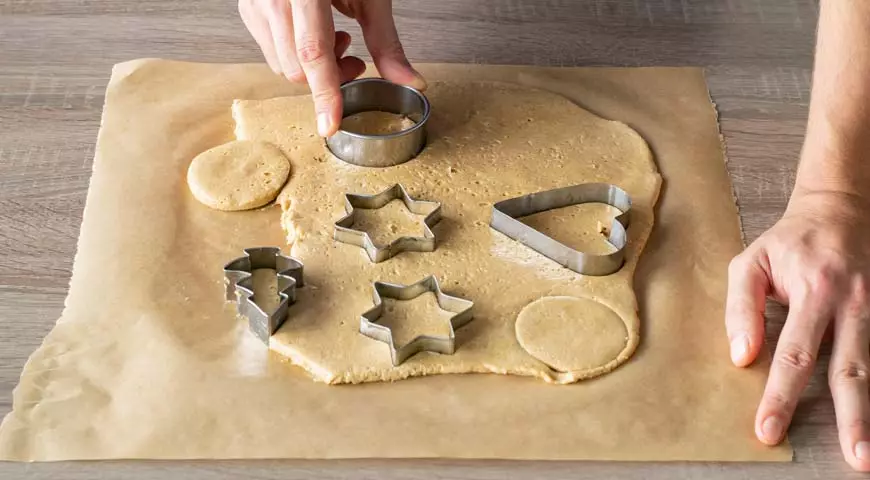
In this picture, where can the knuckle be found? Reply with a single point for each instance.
(247, 8)
(737, 265)
(780, 401)
(312, 50)
(740, 315)
(391, 48)
(849, 373)
(858, 424)
(859, 289)
(324, 98)
(821, 279)
(796, 358)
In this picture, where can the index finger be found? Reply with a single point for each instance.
(315, 44)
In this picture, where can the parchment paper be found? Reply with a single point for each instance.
(144, 363)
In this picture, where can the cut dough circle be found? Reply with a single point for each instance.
(376, 123)
(571, 334)
(238, 175)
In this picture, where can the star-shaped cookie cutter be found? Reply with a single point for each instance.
(239, 280)
(506, 212)
(345, 233)
(461, 309)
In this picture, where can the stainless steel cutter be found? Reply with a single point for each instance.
(461, 309)
(506, 213)
(240, 288)
(377, 94)
(345, 233)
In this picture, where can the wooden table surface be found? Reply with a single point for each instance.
(55, 60)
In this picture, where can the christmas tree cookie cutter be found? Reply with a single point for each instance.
(239, 280)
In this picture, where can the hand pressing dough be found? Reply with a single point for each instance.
(487, 142)
(238, 175)
(376, 123)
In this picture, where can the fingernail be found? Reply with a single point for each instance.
(739, 349)
(772, 429)
(862, 450)
(323, 124)
(420, 82)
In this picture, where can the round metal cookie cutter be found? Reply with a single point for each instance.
(376, 94)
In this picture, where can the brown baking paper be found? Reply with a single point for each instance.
(148, 362)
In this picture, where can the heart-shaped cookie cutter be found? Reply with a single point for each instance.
(506, 212)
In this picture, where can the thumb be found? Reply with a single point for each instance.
(748, 285)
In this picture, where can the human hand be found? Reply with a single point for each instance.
(299, 40)
(816, 260)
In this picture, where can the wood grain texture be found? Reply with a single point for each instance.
(55, 60)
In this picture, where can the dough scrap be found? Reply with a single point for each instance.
(487, 142)
(238, 175)
(376, 123)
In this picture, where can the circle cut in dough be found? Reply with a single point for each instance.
(375, 122)
(571, 333)
(238, 175)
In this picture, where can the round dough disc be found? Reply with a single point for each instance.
(571, 333)
(238, 175)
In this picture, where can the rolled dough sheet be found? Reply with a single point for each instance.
(164, 369)
(487, 142)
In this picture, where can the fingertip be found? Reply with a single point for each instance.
(860, 456)
(342, 42)
(273, 65)
(421, 83)
(326, 125)
(770, 431)
(296, 76)
(401, 72)
(740, 350)
(351, 67)
(341, 37)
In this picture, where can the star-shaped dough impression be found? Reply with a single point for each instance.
(460, 308)
(345, 233)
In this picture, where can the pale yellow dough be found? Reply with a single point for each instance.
(487, 142)
(238, 175)
(597, 333)
(388, 223)
(376, 123)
